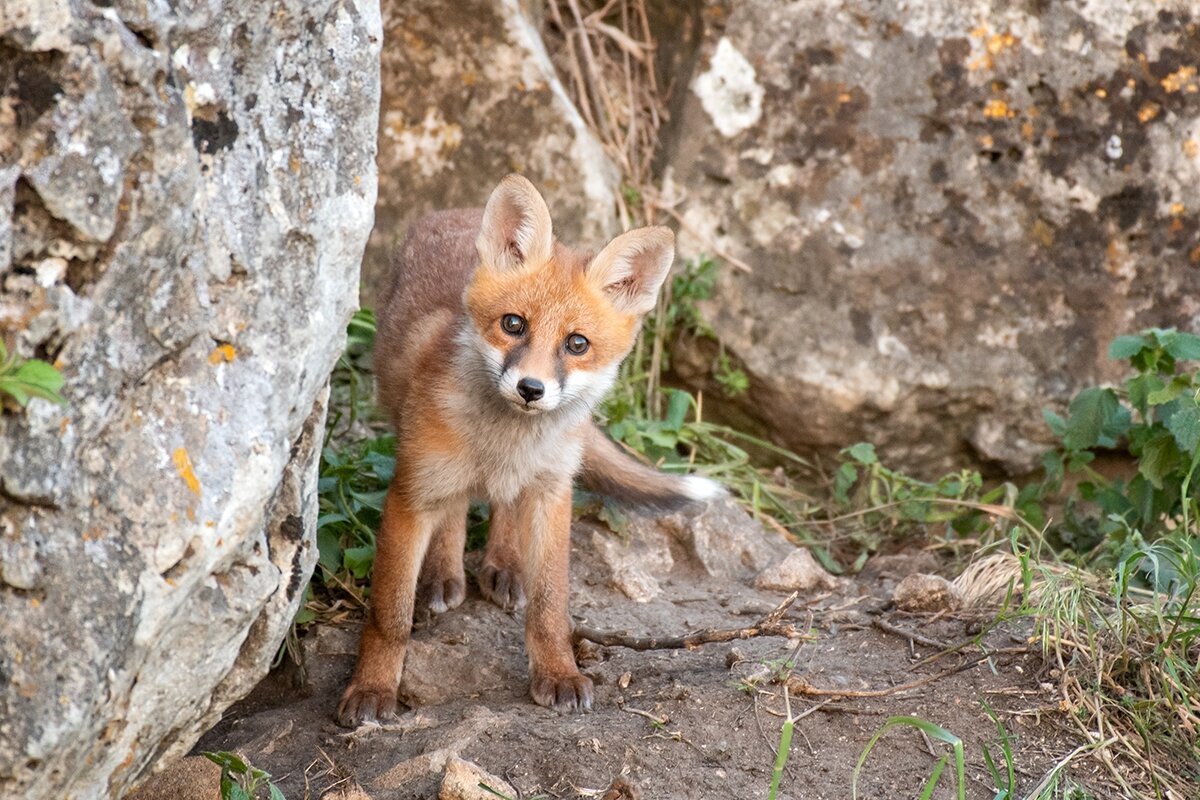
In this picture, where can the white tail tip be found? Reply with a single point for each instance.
(702, 489)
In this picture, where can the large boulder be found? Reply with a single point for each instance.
(950, 208)
(185, 194)
(470, 95)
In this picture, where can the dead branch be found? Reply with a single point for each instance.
(770, 625)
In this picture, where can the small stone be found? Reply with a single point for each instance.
(463, 780)
(624, 680)
(926, 593)
(734, 657)
(799, 572)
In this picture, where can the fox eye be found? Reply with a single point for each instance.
(513, 324)
(577, 344)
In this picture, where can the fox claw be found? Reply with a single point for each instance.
(502, 587)
(362, 704)
(562, 693)
(443, 595)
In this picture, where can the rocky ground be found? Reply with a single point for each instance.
(670, 723)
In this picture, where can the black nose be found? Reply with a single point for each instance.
(530, 389)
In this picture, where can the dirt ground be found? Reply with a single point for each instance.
(675, 723)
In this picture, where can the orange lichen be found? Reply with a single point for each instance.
(1182, 79)
(1177, 209)
(1191, 148)
(224, 352)
(1148, 111)
(998, 109)
(1101, 93)
(993, 45)
(183, 465)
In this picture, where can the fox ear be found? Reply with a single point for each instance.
(632, 267)
(516, 226)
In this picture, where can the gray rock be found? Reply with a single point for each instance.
(464, 780)
(949, 209)
(920, 593)
(469, 96)
(799, 572)
(633, 563)
(719, 538)
(185, 195)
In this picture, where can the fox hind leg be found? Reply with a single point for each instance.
(443, 585)
(500, 576)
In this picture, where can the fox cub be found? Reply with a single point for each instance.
(495, 344)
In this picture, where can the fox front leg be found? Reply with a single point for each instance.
(544, 521)
(400, 548)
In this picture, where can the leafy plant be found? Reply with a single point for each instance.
(23, 379)
(240, 781)
(1154, 416)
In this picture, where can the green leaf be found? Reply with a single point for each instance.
(1160, 458)
(845, 478)
(863, 453)
(1140, 387)
(228, 761)
(1093, 414)
(275, 793)
(1124, 347)
(329, 546)
(1184, 425)
(677, 408)
(1055, 422)
(1184, 347)
(1166, 394)
(358, 560)
(33, 378)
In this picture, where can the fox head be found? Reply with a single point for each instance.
(552, 325)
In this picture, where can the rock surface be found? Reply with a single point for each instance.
(920, 593)
(950, 209)
(185, 194)
(469, 95)
(799, 572)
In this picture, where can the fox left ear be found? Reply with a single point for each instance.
(632, 267)
(516, 227)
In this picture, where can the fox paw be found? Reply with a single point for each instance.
(571, 692)
(501, 586)
(366, 704)
(442, 594)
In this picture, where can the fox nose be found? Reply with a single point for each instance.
(530, 389)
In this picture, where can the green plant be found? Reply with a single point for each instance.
(933, 732)
(241, 781)
(23, 379)
(1154, 416)
(784, 750)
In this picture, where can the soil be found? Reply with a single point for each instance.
(672, 724)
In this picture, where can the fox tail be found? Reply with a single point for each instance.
(610, 471)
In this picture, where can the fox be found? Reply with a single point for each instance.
(495, 343)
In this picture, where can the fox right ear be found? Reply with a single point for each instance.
(516, 226)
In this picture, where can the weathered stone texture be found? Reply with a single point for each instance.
(950, 209)
(469, 95)
(185, 195)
